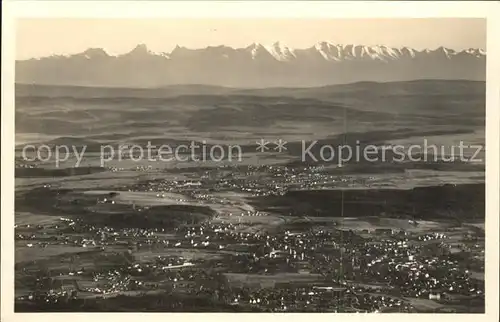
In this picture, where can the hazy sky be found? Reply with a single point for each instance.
(43, 37)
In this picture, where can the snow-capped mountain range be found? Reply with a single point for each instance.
(256, 65)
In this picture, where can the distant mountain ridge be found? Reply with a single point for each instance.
(254, 66)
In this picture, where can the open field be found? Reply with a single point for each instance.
(218, 236)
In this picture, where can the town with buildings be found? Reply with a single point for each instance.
(236, 258)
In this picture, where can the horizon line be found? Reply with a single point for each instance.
(250, 88)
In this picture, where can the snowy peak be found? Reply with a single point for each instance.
(280, 51)
(257, 65)
(328, 50)
(142, 51)
(445, 51)
(406, 51)
(257, 50)
(475, 52)
(324, 50)
(339, 52)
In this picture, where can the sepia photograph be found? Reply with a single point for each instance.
(243, 165)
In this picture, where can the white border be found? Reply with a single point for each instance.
(249, 9)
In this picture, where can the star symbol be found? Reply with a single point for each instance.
(262, 145)
(280, 145)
